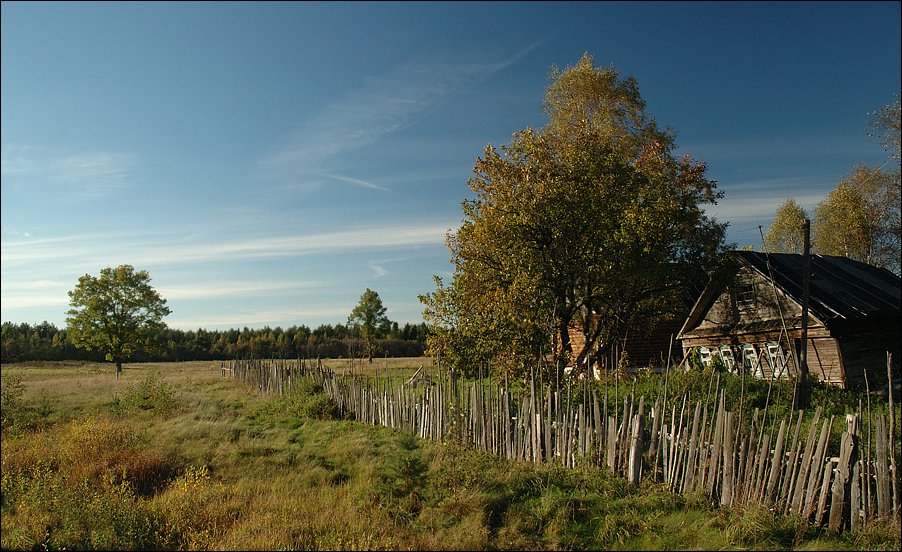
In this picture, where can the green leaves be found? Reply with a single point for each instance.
(369, 317)
(589, 222)
(786, 234)
(886, 124)
(860, 218)
(116, 312)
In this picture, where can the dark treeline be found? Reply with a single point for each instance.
(25, 342)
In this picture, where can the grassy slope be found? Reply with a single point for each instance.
(172, 456)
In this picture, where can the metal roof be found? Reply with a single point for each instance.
(840, 289)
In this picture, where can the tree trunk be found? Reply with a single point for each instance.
(566, 347)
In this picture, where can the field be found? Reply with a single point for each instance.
(173, 456)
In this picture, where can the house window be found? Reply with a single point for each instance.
(704, 354)
(746, 295)
(726, 354)
(750, 360)
(775, 358)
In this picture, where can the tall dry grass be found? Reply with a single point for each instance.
(172, 456)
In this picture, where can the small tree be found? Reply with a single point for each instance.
(859, 219)
(369, 317)
(886, 124)
(786, 233)
(116, 313)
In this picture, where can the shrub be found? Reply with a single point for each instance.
(12, 407)
(306, 399)
(46, 509)
(78, 486)
(149, 394)
(194, 512)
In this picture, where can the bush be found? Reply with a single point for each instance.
(306, 399)
(79, 486)
(12, 406)
(149, 394)
(46, 509)
(193, 513)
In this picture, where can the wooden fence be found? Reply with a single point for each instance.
(691, 447)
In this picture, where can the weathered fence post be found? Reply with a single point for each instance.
(839, 504)
(635, 453)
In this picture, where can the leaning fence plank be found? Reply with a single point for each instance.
(740, 479)
(761, 476)
(825, 491)
(598, 427)
(653, 445)
(612, 444)
(549, 420)
(635, 453)
(714, 459)
(691, 462)
(665, 459)
(882, 475)
(775, 465)
(671, 446)
(815, 476)
(677, 450)
(840, 498)
(623, 436)
(855, 499)
(786, 490)
(726, 496)
(704, 449)
(805, 466)
(749, 460)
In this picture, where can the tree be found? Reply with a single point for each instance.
(885, 123)
(785, 234)
(860, 219)
(369, 318)
(116, 313)
(590, 222)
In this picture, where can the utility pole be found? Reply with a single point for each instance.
(800, 400)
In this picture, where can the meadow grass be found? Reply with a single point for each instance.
(172, 456)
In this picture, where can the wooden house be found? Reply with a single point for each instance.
(652, 346)
(643, 350)
(753, 320)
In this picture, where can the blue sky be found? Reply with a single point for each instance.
(268, 162)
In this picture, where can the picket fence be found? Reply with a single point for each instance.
(689, 446)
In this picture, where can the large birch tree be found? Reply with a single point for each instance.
(590, 222)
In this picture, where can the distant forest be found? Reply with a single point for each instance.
(26, 342)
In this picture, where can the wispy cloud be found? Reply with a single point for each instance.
(35, 293)
(14, 233)
(384, 105)
(378, 269)
(143, 250)
(756, 199)
(232, 289)
(249, 317)
(749, 204)
(356, 181)
(50, 293)
(91, 175)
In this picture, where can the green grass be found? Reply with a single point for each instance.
(172, 456)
